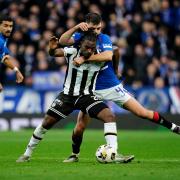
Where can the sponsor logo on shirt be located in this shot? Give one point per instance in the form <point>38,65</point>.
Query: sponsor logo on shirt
<point>107,46</point>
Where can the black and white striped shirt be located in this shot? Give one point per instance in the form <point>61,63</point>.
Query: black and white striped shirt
<point>79,80</point>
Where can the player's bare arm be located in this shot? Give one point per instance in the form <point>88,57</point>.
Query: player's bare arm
<point>53,48</point>
<point>101,57</point>
<point>116,55</point>
<point>66,38</point>
<point>7,61</point>
<point>1,87</point>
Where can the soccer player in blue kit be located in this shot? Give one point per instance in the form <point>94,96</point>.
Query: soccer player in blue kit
<point>6,27</point>
<point>108,86</point>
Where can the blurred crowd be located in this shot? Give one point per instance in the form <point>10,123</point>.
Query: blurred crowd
<point>147,33</point>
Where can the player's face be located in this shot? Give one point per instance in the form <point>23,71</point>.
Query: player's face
<point>95,28</point>
<point>87,48</point>
<point>6,28</point>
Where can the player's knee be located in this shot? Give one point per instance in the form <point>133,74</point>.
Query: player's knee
<point>106,116</point>
<point>48,122</point>
<point>110,117</point>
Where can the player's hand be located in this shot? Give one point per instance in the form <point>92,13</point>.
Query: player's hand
<point>78,61</point>
<point>19,77</point>
<point>82,26</point>
<point>1,87</point>
<point>53,42</point>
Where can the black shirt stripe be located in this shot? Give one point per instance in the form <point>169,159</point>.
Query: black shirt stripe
<point>66,70</point>
<point>73,82</point>
<point>92,82</point>
<point>83,81</point>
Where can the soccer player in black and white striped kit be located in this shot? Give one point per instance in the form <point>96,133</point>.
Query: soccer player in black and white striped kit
<point>78,94</point>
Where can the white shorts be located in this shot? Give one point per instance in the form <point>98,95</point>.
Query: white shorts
<point>117,94</point>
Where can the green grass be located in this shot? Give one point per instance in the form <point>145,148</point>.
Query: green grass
<point>157,156</point>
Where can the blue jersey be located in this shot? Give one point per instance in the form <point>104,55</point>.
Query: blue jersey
<point>3,47</point>
<point>106,77</point>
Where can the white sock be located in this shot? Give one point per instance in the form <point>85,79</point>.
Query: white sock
<point>110,133</point>
<point>35,139</point>
<point>173,126</point>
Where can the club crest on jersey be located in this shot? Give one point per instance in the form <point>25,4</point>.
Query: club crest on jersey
<point>57,102</point>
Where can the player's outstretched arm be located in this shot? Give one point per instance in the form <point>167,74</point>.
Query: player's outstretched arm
<point>7,61</point>
<point>66,38</point>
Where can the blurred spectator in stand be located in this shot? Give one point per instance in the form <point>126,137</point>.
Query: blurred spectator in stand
<point>177,14</point>
<point>166,13</point>
<point>163,43</point>
<point>173,73</point>
<point>176,48</point>
<point>140,62</point>
<point>149,26</point>
<point>159,83</point>
<point>152,74</point>
<point>29,61</point>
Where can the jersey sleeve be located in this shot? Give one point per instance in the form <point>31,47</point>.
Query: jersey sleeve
<point>106,43</point>
<point>76,36</point>
<point>3,51</point>
<point>69,51</point>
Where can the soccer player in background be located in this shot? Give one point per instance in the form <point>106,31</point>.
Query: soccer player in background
<point>77,93</point>
<point>6,27</point>
<point>108,86</point>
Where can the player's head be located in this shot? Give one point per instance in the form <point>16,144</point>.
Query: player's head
<point>94,21</point>
<point>88,43</point>
<point>6,25</point>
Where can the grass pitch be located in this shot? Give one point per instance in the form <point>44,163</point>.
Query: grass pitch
<point>157,156</point>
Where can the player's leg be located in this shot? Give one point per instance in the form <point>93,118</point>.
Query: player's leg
<point>122,98</point>
<point>135,107</point>
<point>57,111</point>
<point>115,94</point>
<point>37,136</point>
<point>97,109</point>
<point>110,133</point>
<point>77,136</point>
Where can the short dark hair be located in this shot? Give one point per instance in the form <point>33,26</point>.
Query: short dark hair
<point>89,35</point>
<point>5,18</point>
<point>93,18</point>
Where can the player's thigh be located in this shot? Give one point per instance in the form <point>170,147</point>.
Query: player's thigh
<point>61,107</point>
<point>94,107</point>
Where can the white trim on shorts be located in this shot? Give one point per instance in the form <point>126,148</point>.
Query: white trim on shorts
<point>57,112</point>
<point>93,104</point>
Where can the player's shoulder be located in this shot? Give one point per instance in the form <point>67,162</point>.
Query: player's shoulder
<point>70,50</point>
<point>1,41</point>
<point>103,36</point>
<point>104,39</point>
